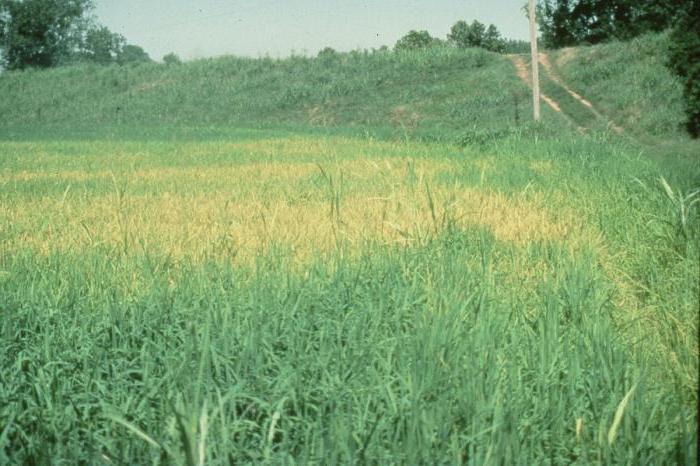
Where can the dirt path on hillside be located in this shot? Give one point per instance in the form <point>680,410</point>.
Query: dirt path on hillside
<point>523,71</point>
<point>554,76</point>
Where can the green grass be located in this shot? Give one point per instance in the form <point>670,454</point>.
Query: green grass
<point>374,259</point>
<point>486,305</point>
<point>579,115</point>
<point>629,82</point>
<point>390,93</point>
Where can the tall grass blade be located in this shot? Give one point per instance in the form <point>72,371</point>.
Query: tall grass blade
<point>619,413</point>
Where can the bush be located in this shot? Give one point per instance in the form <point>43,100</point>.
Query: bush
<point>132,54</point>
<point>327,52</point>
<point>171,59</point>
<point>417,40</point>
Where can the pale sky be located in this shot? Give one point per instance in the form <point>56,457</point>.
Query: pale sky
<point>206,28</point>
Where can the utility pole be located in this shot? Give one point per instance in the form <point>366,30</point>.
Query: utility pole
<point>534,62</point>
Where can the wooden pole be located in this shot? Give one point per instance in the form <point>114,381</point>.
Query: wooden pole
<point>534,61</point>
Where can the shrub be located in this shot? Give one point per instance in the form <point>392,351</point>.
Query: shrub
<point>417,40</point>
<point>171,59</point>
<point>132,54</point>
<point>327,52</point>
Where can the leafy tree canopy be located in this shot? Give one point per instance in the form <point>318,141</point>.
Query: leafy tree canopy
<point>46,33</point>
<point>572,22</point>
<point>516,46</point>
<point>476,34</point>
<point>132,54</point>
<point>685,61</point>
<point>39,33</point>
<point>171,59</point>
<point>101,45</point>
<point>327,53</point>
<point>417,40</point>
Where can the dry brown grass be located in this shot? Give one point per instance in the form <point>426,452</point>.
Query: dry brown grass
<point>303,207</point>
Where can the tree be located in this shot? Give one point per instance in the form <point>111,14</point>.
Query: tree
<point>556,24</point>
<point>132,54</point>
<point>493,40</point>
<point>685,61</point>
<point>571,22</point>
<point>476,34</point>
<point>45,33</point>
<point>327,53</point>
<point>39,33</point>
<point>171,59</point>
<point>459,35</point>
<point>658,15</point>
<point>465,35</point>
<point>516,46</point>
<point>102,45</point>
<point>416,40</point>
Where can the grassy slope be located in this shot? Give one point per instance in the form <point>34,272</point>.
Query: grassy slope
<point>440,94</point>
<point>335,299</point>
<point>629,82</point>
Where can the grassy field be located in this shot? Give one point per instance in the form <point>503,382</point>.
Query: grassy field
<point>363,290</point>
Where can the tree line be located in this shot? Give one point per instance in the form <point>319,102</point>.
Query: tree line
<point>47,33</point>
<point>565,23</point>
<point>464,35</point>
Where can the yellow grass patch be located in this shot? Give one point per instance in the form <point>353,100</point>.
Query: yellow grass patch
<point>541,167</point>
<point>304,207</point>
<point>224,199</point>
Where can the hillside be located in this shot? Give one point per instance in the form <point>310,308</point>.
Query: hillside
<point>628,82</point>
<point>440,94</point>
<point>435,95</point>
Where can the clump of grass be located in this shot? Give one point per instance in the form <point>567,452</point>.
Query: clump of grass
<point>683,206</point>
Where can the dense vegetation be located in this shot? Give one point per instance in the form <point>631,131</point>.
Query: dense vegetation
<point>629,82</point>
<point>48,33</point>
<point>476,34</point>
<point>444,93</point>
<point>269,298</point>
<point>685,61</point>
<point>291,261</point>
<point>574,22</point>
<point>464,35</point>
<point>566,23</point>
